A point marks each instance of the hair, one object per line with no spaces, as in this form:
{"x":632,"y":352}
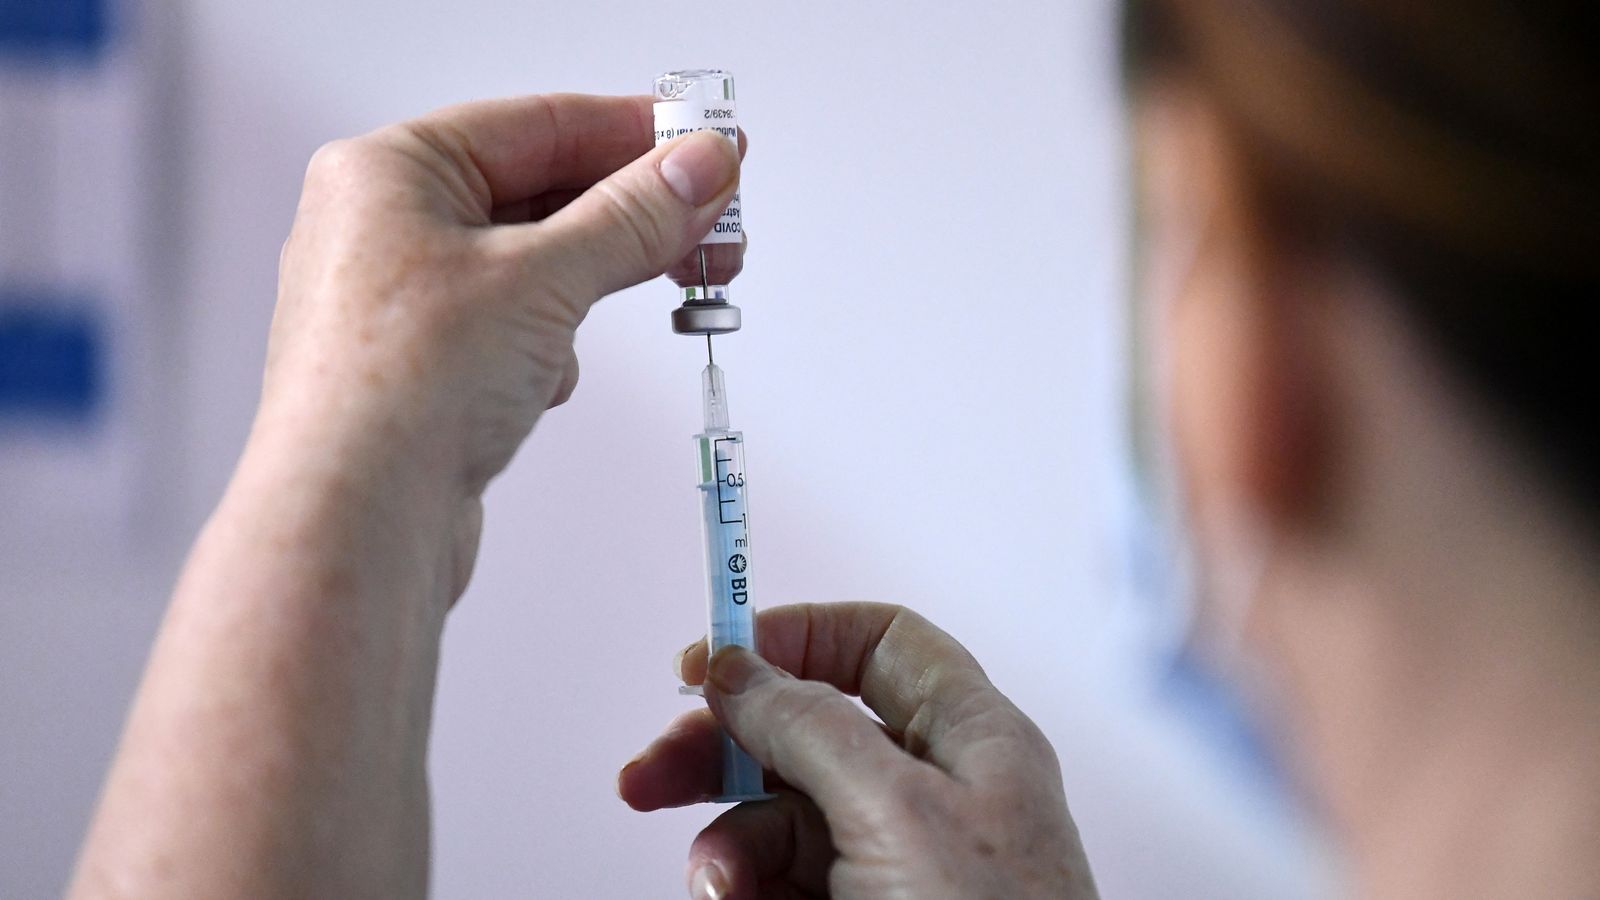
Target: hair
{"x":1451,"y":146}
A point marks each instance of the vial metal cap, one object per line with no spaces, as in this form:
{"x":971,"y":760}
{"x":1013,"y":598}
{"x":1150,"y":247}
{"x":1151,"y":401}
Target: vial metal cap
{"x":706,"y":318}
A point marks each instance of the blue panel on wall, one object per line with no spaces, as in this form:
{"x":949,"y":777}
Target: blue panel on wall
{"x":47,"y":28}
{"x":52,"y":359}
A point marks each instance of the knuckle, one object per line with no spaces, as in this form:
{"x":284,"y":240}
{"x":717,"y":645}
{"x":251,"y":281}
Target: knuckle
{"x":1009,"y":728}
{"x":1026,"y":735}
{"x":341,"y":164}
{"x":569,"y":383}
{"x":446,"y":151}
{"x":1020,"y":765}
{"x":1003,"y":720}
{"x":331,"y":159}
{"x":898,"y":612}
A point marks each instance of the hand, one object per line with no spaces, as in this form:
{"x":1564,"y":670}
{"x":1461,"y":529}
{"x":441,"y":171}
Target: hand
{"x":427,"y":302}
{"x":437,"y":270}
{"x":955,"y":794}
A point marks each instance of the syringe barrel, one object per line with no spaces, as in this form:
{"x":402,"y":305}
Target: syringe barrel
{"x":731,"y":620}
{"x":726,"y":527}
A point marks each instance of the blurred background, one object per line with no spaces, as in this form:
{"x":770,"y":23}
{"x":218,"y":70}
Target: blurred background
{"x":955,"y":176}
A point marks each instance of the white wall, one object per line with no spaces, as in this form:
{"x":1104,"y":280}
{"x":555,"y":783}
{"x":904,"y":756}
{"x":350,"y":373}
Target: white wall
{"x":929,"y":381}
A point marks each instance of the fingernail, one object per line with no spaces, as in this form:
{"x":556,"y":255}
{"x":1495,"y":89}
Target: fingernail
{"x":623,"y":772}
{"x":677,"y":661}
{"x":708,"y":883}
{"x":735,"y":670}
{"x":700,"y":167}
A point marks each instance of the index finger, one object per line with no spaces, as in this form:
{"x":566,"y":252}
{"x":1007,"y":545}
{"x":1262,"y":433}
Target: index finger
{"x":518,"y":148}
{"x":917,"y":678}
{"x":521,"y":147}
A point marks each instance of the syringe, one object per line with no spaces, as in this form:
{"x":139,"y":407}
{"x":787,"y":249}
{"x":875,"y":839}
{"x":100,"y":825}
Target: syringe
{"x":696,"y":100}
{"x":725,"y":525}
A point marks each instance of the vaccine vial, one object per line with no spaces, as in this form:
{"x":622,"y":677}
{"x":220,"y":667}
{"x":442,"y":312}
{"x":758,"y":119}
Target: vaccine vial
{"x":698,"y":100}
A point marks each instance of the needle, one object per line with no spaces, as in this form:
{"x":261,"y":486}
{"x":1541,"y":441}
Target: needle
{"x":710,"y":360}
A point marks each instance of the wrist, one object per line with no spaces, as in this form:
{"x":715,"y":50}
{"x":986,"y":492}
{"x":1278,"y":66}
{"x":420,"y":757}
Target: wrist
{"x":296,"y":668}
{"x":345,"y":493}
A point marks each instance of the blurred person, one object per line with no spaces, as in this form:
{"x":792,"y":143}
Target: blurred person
{"x":1367,"y":233}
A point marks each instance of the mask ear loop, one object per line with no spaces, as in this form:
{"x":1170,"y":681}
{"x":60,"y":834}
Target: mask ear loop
{"x":1232,"y":584}
{"x":1215,"y":600}
{"x":1166,"y":284}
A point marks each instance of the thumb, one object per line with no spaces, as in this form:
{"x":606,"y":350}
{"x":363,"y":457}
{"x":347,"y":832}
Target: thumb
{"x":807,"y":732}
{"x":642,"y":218}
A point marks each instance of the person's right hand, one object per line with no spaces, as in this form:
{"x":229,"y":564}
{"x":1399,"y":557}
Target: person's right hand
{"x":954,"y":794}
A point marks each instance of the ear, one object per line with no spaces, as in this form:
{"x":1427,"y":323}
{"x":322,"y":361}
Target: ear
{"x":1231,"y":320}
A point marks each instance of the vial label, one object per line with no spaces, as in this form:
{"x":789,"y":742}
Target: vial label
{"x":675,"y":117}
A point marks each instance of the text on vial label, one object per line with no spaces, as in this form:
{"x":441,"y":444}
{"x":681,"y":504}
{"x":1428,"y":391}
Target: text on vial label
{"x":679,"y":117}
